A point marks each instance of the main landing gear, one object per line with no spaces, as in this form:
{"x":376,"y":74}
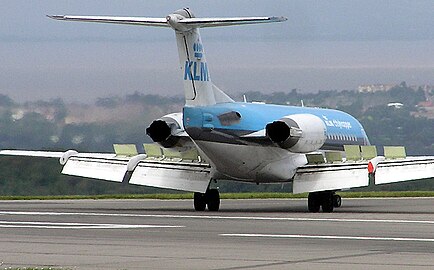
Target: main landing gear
{"x":210,"y":198}
{"x":328,"y":200}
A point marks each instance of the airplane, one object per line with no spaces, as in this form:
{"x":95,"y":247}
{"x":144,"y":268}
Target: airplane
{"x":240,"y":141}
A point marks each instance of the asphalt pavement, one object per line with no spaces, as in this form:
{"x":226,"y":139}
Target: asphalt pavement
{"x":245,"y":234}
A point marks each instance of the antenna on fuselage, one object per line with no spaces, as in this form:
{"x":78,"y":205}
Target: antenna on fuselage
{"x":244,"y":99}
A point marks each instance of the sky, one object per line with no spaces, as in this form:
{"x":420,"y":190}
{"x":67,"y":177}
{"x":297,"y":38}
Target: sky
{"x":324,"y":45}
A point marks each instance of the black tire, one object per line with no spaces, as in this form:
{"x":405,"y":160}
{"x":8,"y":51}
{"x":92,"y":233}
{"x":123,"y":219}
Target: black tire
{"x":213,"y":199}
{"x":337,"y":200}
{"x":313,"y":202}
{"x":199,"y":201}
{"x":327,"y":202}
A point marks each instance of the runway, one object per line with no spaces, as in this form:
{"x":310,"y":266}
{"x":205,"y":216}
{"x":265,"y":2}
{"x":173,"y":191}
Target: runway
{"x":245,"y":234}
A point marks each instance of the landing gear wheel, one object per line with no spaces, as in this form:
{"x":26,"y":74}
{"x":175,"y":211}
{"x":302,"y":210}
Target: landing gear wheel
{"x":327,"y":202}
{"x":199,"y":201}
{"x":313,"y":202}
{"x":337,"y":200}
{"x":213,"y":199}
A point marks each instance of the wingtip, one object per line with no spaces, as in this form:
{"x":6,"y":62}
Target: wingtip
{"x":56,"y":17}
{"x":279,"y":19}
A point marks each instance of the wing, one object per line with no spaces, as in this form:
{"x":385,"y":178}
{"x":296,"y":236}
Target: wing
{"x":156,"y":170}
{"x":340,"y":175}
{"x":185,"y":171}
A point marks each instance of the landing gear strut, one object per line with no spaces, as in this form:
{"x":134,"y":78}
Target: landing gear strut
{"x":327,"y":200}
{"x":210,"y":198}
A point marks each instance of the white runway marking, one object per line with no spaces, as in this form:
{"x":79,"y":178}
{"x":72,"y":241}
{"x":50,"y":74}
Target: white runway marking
{"x":336,"y":237}
{"x":221,"y":217}
{"x":64,"y":225}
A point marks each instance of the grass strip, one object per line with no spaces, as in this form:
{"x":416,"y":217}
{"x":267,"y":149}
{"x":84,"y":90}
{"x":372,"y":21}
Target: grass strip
{"x":35,"y":268}
{"x":252,"y":195}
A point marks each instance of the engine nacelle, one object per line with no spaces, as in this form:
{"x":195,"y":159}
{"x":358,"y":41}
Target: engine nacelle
{"x":168,"y":131}
{"x":299,"y":133}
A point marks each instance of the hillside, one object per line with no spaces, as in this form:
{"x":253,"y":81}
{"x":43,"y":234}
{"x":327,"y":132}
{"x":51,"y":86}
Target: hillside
{"x":55,"y":125}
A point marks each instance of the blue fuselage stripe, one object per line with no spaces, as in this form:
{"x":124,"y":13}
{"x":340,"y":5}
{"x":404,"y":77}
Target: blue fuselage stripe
{"x":340,"y":126}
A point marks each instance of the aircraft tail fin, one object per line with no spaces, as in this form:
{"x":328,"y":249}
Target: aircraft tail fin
{"x":198,"y":87}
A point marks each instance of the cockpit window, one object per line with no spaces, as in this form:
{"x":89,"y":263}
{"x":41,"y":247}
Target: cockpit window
{"x":229,"y":118}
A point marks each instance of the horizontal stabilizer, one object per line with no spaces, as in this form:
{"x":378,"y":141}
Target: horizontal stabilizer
{"x":214,"y":22}
{"x":163,"y":22}
{"x":198,"y":87}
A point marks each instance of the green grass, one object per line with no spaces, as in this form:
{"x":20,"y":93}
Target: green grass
{"x":256,"y":195}
{"x":385,"y":194}
{"x":34,"y":268}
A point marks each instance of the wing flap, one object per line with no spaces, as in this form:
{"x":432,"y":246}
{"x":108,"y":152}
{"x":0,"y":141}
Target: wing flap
{"x":330,"y":177}
{"x":173,"y":175}
{"x":98,"y":168}
{"x":337,"y":176}
{"x":187,"y":176}
{"x":410,"y":168}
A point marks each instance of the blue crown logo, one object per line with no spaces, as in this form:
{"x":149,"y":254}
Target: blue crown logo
{"x":198,"y":50}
